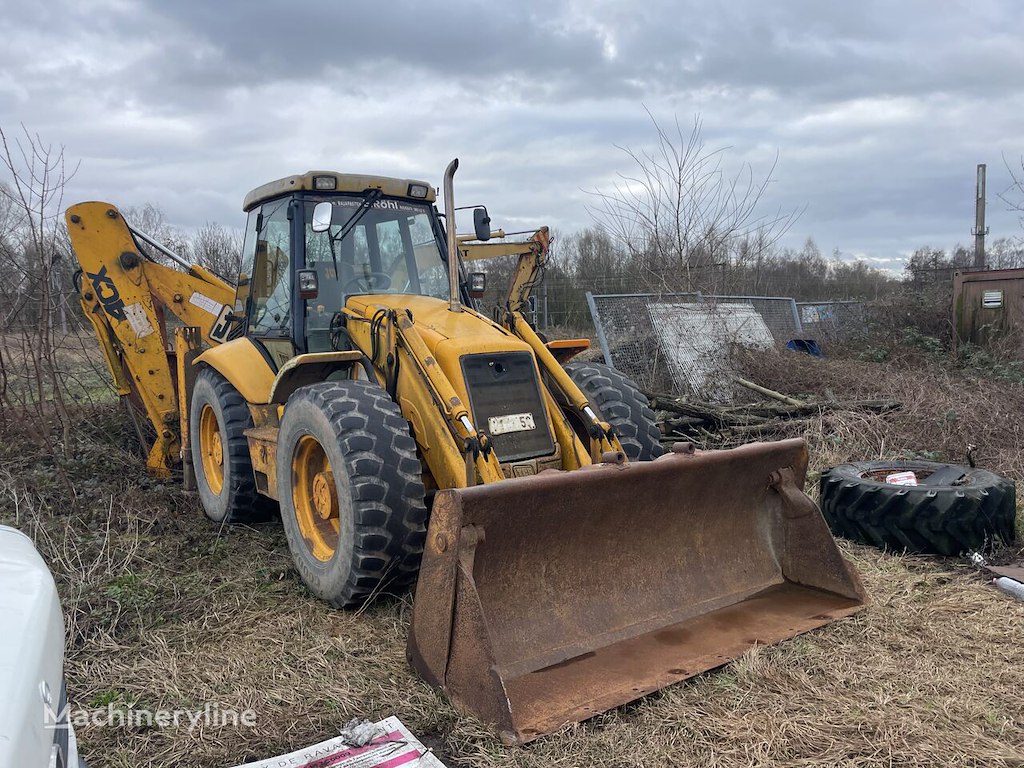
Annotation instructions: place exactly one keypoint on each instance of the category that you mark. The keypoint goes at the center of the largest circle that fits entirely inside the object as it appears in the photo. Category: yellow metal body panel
(565, 350)
(439, 399)
(309, 369)
(263, 454)
(533, 256)
(429, 348)
(241, 363)
(125, 296)
(345, 182)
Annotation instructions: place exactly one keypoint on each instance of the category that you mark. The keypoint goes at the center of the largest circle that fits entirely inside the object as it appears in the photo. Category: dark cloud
(877, 111)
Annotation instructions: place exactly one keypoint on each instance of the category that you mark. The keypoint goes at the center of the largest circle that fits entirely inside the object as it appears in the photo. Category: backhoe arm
(125, 296)
(533, 256)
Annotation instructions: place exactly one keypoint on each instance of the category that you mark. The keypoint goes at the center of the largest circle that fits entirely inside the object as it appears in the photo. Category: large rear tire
(619, 401)
(953, 510)
(351, 491)
(218, 418)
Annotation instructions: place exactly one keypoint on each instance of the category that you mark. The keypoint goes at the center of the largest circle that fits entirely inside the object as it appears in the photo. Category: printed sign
(138, 319)
(205, 303)
(393, 746)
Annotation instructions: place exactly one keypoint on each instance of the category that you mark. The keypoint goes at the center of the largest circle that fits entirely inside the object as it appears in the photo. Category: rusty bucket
(546, 600)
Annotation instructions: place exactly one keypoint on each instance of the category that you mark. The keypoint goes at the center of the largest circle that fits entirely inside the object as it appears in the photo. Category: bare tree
(681, 215)
(150, 219)
(33, 251)
(218, 249)
(1013, 195)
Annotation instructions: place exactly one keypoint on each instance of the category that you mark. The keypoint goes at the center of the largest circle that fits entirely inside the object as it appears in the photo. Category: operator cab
(313, 240)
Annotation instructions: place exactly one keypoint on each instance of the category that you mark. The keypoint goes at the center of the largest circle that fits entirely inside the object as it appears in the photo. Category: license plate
(514, 422)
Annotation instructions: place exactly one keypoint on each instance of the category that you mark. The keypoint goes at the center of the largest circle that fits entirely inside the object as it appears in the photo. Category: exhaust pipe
(454, 302)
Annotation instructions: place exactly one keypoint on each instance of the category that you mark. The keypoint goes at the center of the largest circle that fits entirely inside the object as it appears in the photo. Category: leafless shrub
(1013, 195)
(681, 213)
(34, 251)
(942, 412)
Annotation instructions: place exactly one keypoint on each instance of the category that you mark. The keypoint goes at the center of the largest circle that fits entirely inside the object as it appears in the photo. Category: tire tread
(941, 520)
(386, 482)
(619, 401)
(244, 503)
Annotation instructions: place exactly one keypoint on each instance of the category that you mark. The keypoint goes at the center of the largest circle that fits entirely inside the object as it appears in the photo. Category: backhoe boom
(126, 296)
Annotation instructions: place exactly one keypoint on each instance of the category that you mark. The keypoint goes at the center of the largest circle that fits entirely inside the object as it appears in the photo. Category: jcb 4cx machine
(563, 565)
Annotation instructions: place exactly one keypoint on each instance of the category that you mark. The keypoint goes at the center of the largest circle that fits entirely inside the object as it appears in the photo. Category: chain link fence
(625, 331)
(683, 341)
(831, 321)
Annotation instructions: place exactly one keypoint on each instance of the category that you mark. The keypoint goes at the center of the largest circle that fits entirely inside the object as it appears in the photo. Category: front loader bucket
(549, 599)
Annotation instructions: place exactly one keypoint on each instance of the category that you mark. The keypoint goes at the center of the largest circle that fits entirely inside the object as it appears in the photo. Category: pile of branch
(682, 418)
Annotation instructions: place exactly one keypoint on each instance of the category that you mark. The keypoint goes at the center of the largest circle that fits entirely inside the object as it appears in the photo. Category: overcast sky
(878, 111)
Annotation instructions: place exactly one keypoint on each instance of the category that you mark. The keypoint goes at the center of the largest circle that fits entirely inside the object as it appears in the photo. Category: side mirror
(322, 216)
(477, 284)
(482, 223)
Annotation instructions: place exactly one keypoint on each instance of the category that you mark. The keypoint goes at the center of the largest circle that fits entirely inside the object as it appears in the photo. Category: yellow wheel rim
(211, 449)
(315, 498)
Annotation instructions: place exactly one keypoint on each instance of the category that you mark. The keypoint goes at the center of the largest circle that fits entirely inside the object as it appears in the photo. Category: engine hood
(445, 333)
(489, 368)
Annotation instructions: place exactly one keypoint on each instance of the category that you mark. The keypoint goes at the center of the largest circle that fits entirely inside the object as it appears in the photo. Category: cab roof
(344, 182)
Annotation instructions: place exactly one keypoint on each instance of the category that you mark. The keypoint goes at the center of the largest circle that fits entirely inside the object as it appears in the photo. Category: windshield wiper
(372, 197)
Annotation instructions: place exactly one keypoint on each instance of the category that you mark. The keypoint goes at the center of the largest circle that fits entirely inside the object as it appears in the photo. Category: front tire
(218, 418)
(351, 491)
(619, 401)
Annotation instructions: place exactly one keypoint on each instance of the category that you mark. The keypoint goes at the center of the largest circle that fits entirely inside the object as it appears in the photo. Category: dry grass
(168, 611)
(943, 412)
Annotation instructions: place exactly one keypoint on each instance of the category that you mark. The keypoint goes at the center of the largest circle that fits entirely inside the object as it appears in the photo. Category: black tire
(619, 401)
(953, 510)
(237, 501)
(378, 485)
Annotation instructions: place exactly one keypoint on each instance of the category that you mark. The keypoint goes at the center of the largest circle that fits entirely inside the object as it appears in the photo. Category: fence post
(599, 328)
(796, 318)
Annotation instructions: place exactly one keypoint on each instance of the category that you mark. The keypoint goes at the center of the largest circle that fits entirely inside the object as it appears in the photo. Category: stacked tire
(954, 509)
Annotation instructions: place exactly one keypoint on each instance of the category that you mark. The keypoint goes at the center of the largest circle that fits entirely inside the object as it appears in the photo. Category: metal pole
(599, 329)
(546, 324)
(798, 325)
(159, 246)
(980, 230)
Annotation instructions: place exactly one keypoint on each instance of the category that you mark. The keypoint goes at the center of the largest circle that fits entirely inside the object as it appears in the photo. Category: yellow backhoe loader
(563, 565)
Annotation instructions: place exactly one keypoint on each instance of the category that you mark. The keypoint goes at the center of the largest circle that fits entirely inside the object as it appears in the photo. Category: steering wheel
(367, 283)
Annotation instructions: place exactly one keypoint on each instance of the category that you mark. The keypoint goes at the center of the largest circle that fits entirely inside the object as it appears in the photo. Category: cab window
(269, 310)
(391, 247)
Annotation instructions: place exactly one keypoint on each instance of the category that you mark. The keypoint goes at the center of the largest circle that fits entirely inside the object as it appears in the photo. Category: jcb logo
(107, 293)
